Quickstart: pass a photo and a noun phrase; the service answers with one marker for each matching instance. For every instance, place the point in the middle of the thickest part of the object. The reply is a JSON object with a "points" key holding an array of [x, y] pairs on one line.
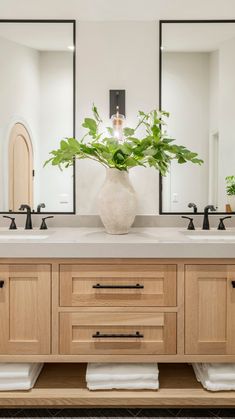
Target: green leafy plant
{"points": [[230, 185], [155, 149]]}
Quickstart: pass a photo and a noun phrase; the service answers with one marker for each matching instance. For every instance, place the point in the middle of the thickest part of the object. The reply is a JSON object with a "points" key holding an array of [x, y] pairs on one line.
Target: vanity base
{"points": [[63, 385]]}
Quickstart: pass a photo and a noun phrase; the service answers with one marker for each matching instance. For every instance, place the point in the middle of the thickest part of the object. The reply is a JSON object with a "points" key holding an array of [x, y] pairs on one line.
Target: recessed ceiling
{"points": [[40, 36], [196, 37]]}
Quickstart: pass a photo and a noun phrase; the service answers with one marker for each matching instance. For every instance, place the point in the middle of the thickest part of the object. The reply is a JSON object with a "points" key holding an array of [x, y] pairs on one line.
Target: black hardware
{"points": [[190, 225], [137, 286], [137, 335], [43, 225], [233, 284], [13, 224], [1, 283], [221, 225], [40, 206], [28, 224], [117, 98], [194, 206], [206, 225]]}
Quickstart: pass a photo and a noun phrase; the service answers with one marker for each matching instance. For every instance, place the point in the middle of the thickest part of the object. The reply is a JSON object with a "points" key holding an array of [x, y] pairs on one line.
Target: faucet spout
{"points": [[206, 224], [28, 224]]}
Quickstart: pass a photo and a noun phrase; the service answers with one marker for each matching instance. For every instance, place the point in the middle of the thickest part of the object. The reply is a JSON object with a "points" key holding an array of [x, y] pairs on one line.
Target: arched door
{"points": [[20, 168]]}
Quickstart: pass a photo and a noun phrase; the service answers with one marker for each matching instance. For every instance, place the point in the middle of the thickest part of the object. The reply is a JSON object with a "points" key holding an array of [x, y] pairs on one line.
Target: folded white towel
{"points": [[203, 378], [125, 385], [104, 372], [219, 372], [8, 370], [24, 383]]}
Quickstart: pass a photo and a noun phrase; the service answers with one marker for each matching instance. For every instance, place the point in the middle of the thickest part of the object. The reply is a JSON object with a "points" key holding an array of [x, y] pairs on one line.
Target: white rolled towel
{"points": [[104, 372], [21, 383], [124, 385], [203, 378], [13, 370]]}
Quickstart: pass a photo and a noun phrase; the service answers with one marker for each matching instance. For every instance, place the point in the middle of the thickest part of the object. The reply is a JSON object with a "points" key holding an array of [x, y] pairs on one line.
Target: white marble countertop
{"points": [[95, 243]]}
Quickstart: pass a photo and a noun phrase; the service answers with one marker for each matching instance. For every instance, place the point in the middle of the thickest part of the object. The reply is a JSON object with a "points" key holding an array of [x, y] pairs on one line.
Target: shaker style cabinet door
{"points": [[210, 309], [25, 306]]}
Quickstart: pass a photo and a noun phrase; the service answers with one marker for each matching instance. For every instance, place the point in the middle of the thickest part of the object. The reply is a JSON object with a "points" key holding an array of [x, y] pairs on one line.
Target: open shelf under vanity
{"points": [[61, 385]]}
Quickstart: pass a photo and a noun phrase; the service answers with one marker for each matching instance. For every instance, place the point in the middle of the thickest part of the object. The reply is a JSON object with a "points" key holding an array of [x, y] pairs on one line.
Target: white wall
{"points": [[19, 80], [185, 87], [56, 122], [118, 55]]}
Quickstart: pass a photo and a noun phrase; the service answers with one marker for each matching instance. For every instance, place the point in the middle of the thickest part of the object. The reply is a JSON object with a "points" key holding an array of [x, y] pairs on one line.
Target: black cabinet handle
{"points": [[233, 284], [137, 335], [1, 283], [137, 286]]}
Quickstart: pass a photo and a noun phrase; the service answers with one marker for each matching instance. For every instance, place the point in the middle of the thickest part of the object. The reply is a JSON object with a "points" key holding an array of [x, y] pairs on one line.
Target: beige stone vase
{"points": [[117, 202]]}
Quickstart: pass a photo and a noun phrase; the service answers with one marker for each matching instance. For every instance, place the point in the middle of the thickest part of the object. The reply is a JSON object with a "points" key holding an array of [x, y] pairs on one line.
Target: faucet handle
{"points": [[43, 224], [190, 225], [221, 225], [13, 224]]}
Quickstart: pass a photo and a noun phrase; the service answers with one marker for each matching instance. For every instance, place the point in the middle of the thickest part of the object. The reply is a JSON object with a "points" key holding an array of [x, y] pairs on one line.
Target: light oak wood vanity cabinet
{"points": [[122, 310]]}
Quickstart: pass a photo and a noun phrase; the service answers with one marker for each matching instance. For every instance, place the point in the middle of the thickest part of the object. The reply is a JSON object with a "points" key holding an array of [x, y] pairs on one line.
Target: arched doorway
{"points": [[20, 168]]}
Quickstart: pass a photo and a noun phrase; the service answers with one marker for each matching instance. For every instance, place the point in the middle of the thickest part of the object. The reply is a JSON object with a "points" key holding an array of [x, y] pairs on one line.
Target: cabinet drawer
{"points": [[117, 333], [117, 285]]}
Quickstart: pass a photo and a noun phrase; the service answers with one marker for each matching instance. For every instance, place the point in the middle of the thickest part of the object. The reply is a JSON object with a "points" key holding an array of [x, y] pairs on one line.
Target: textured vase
{"points": [[231, 201], [117, 202]]}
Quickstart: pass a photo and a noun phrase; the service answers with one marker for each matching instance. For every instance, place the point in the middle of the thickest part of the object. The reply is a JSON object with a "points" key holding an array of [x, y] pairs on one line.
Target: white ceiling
{"points": [[40, 36], [98, 10], [196, 37]]}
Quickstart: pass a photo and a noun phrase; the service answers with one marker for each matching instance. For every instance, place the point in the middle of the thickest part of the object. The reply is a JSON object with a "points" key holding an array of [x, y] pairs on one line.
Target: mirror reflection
{"points": [[198, 89], [36, 110]]}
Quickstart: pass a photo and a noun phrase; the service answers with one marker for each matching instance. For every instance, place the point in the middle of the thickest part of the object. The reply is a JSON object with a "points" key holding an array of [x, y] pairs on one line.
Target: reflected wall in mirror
{"points": [[197, 87], [37, 70]]}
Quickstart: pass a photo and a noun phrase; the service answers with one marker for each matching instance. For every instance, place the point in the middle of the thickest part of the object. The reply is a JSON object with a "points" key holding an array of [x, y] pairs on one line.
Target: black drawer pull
{"points": [[137, 286], [233, 284], [137, 335], [1, 283]]}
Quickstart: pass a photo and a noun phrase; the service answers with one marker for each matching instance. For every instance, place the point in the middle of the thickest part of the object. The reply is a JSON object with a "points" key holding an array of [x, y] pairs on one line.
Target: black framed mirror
{"points": [[196, 86], [37, 110]]}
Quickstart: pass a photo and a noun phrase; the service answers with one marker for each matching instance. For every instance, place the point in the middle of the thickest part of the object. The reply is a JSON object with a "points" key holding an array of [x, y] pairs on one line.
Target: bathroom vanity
{"points": [[67, 311]]}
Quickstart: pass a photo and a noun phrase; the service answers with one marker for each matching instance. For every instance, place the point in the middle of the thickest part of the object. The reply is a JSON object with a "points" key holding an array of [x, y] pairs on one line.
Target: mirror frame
{"points": [[161, 23], [73, 22]]}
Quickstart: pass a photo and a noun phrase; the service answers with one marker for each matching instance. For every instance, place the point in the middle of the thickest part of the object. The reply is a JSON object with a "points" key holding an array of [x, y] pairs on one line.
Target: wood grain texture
{"points": [[64, 385], [158, 282], [210, 309], [77, 330], [25, 304]]}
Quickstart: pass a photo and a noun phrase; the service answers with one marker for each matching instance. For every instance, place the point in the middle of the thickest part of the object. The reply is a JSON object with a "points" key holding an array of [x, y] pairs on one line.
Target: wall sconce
{"points": [[117, 98]]}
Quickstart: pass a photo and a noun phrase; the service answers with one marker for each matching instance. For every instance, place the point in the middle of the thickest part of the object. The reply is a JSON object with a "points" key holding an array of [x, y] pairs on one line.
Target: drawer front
{"points": [[117, 285], [117, 333]]}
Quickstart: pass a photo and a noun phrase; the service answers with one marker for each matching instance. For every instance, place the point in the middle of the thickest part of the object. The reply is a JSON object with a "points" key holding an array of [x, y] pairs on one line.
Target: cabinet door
{"points": [[210, 309], [25, 305]]}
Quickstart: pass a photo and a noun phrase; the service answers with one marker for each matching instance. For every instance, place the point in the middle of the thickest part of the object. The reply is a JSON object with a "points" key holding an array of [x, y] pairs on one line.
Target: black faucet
{"points": [[40, 206], [194, 206], [28, 224], [206, 225]]}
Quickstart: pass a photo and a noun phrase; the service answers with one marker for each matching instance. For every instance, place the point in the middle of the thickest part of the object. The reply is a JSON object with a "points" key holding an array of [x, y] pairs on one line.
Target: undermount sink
{"points": [[22, 235], [212, 235]]}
